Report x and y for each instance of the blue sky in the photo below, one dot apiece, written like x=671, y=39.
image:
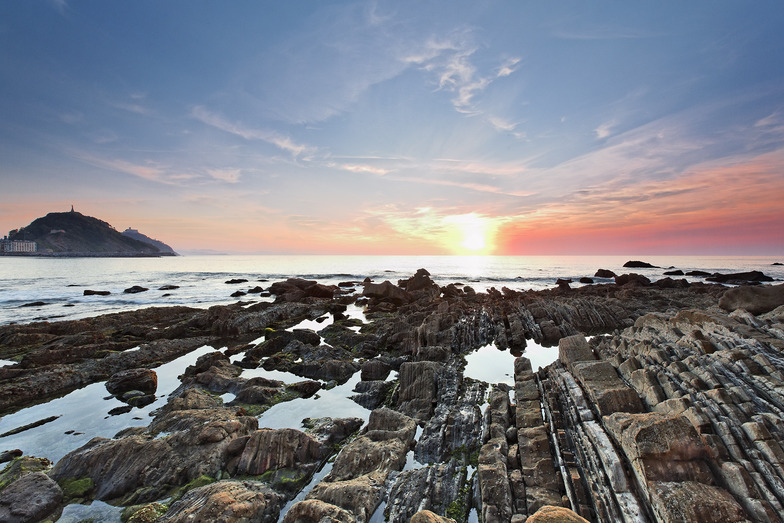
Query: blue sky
x=400, y=127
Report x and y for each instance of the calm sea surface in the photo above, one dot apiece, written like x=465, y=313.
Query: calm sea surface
x=60, y=283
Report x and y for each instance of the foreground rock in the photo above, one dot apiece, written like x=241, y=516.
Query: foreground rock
x=672, y=411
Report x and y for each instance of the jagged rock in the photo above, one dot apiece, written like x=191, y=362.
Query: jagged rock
x=386, y=292
x=145, y=380
x=143, y=468
x=269, y=449
x=229, y=501
x=437, y=488
x=691, y=501
x=756, y=300
x=32, y=497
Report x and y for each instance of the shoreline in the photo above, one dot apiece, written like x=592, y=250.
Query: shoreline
x=85, y=255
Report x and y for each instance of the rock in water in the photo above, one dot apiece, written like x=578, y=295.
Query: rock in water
x=635, y=264
x=145, y=380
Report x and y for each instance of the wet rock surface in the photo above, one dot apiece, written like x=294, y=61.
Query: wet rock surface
x=666, y=403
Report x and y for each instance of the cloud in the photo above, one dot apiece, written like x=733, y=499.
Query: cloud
x=450, y=61
x=359, y=168
x=225, y=175
x=149, y=171
x=280, y=141
x=604, y=130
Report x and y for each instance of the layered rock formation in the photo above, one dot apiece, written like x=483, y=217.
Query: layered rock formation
x=661, y=406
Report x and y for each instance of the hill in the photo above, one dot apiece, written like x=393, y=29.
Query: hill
x=72, y=233
x=136, y=235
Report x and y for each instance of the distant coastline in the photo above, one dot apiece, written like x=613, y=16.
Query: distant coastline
x=87, y=254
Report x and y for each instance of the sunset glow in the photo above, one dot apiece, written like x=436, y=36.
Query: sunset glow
x=386, y=128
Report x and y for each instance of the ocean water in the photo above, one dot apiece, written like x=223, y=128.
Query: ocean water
x=59, y=283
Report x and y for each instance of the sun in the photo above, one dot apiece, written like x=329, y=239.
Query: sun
x=469, y=233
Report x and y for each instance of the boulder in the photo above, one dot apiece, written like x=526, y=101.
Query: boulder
x=740, y=277
x=269, y=449
x=144, y=380
x=756, y=300
x=633, y=279
x=604, y=273
x=88, y=292
x=32, y=497
x=135, y=289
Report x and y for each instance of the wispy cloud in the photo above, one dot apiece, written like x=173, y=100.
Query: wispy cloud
x=225, y=175
x=280, y=141
x=359, y=168
x=605, y=129
x=450, y=61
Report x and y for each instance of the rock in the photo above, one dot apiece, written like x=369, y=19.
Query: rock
x=135, y=289
x=235, y=281
x=269, y=449
x=635, y=264
x=604, y=273
x=31, y=498
x=586, y=280
x=231, y=501
x=692, y=501
x=375, y=369
x=237, y=294
x=563, y=284
x=756, y=300
x=386, y=292
x=168, y=287
x=677, y=272
x=88, y=292
x=144, y=380
x=425, y=516
x=317, y=511
x=740, y=277
x=8, y=455
x=633, y=279
x=551, y=514
x=34, y=304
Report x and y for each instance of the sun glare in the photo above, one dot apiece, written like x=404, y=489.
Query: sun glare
x=470, y=233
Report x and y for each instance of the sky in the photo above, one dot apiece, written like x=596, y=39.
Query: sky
x=400, y=127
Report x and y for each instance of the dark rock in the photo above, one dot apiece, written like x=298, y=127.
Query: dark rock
x=635, y=264
x=235, y=281
x=168, y=287
x=237, y=294
x=604, y=273
x=145, y=380
x=633, y=279
x=255, y=290
x=669, y=283
x=740, y=277
x=698, y=273
x=375, y=369
x=586, y=280
x=387, y=292
x=34, y=304
x=88, y=292
x=563, y=284
x=32, y=497
x=8, y=455
x=674, y=273
x=135, y=289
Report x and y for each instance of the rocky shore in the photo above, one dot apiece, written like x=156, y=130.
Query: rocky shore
x=666, y=403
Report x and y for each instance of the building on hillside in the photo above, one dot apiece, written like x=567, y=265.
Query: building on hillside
x=7, y=245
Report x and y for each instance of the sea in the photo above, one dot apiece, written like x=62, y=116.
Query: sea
x=51, y=289
x=56, y=426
